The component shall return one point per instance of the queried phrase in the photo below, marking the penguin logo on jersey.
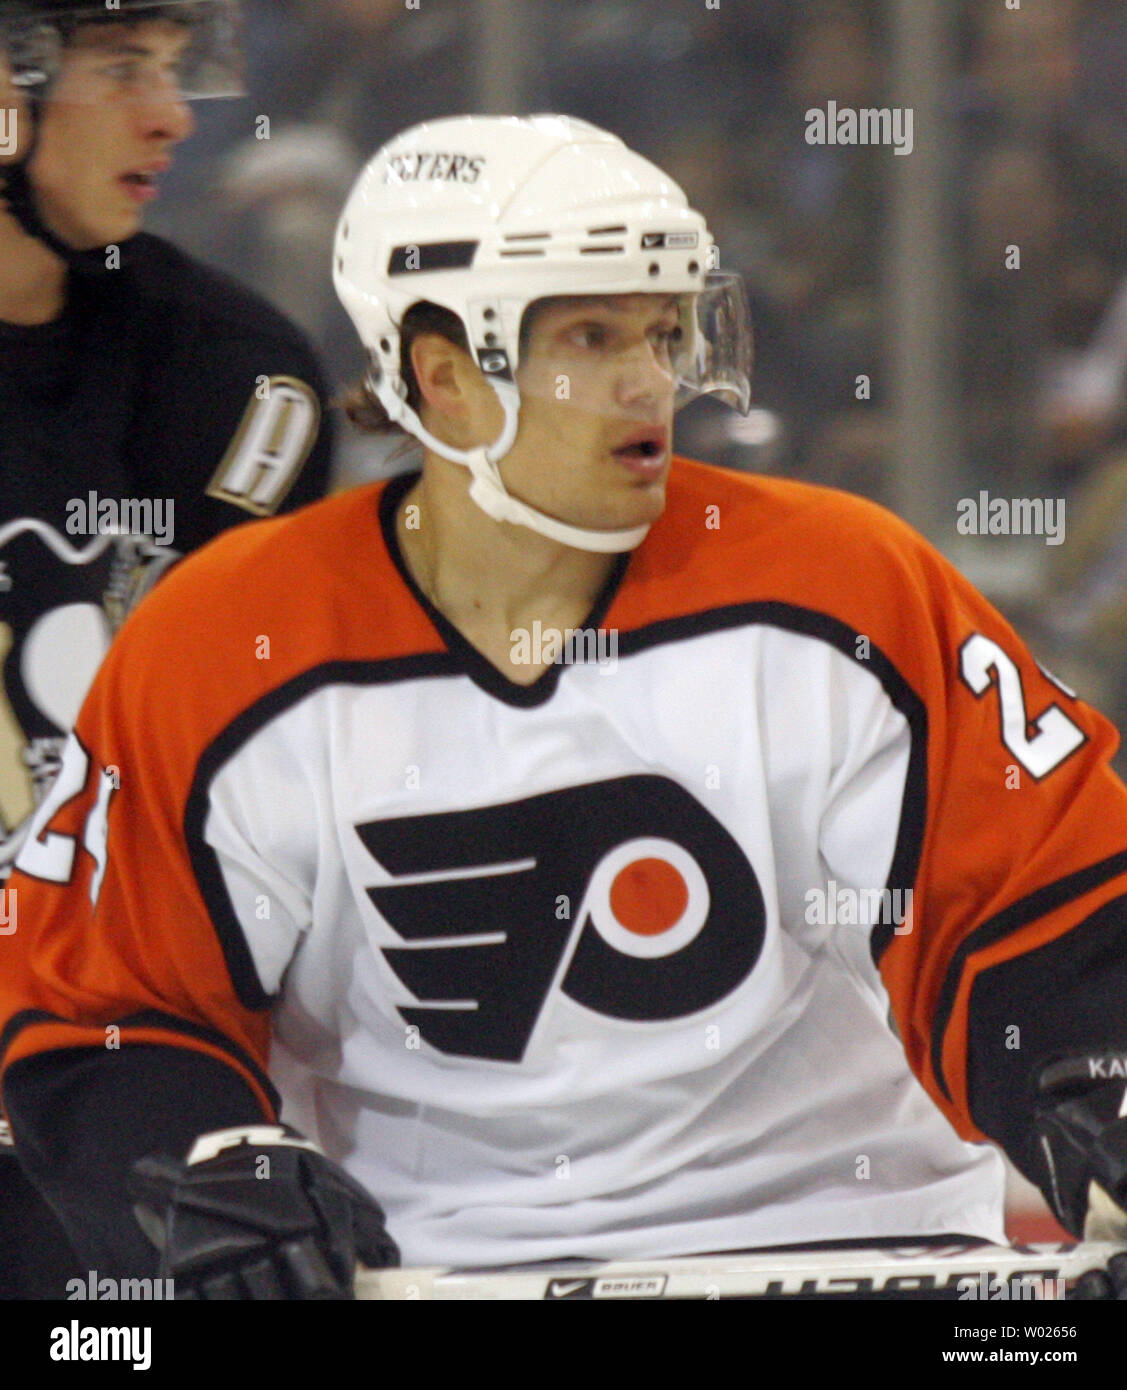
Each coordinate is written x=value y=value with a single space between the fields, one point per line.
x=52 y=647
x=627 y=895
x=49 y=651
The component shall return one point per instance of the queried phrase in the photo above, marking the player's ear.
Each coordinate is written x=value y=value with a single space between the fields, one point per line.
x=457 y=401
x=434 y=362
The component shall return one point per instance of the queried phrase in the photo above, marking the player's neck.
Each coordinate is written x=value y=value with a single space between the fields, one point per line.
x=472 y=567
x=33 y=280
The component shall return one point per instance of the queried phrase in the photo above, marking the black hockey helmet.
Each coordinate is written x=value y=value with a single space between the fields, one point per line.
x=33 y=37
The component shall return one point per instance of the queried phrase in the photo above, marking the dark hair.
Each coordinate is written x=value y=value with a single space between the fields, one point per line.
x=361 y=404
x=73 y=13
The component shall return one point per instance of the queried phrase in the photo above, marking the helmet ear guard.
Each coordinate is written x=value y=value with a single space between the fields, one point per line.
x=486 y=216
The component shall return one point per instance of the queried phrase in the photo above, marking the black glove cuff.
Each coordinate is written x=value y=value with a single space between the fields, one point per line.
x=258 y=1212
x=1080 y=1135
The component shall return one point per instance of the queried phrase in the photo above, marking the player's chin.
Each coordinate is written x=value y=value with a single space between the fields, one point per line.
x=110 y=227
x=652 y=505
x=642 y=489
x=642 y=505
x=127 y=226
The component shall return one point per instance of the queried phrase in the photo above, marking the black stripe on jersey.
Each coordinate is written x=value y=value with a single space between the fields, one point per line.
x=156 y=1018
x=1005 y=923
x=810 y=623
x=205 y=863
x=471 y=662
x=790 y=617
x=1065 y=998
x=20 y=1021
x=149 y=1018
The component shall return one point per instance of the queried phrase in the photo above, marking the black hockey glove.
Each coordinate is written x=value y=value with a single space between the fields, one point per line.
x=1082 y=1138
x=258 y=1213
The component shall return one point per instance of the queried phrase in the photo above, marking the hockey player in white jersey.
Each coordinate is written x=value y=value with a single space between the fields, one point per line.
x=630 y=858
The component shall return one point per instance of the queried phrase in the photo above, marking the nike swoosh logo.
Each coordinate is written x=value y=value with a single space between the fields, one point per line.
x=561 y=1290
x=652 y=238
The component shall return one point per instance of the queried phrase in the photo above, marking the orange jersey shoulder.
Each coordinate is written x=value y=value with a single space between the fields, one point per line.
x=226 y=630
x=1018 y=824
x=735 y=538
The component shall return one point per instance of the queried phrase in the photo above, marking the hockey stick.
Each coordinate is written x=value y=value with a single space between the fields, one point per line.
x=963 y=1272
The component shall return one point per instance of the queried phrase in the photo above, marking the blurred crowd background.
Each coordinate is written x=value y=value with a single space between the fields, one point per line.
x=1020 y=139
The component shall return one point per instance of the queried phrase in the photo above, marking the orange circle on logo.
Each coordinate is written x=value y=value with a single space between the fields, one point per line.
x=649 y=896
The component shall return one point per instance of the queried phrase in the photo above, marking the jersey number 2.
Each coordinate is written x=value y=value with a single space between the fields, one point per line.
x=982 y=663
x=50 y=856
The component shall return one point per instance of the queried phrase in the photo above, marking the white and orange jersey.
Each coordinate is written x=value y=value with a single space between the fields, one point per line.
x=626 y=962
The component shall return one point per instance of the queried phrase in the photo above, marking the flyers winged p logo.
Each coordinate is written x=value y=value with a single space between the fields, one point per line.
x=663 y=913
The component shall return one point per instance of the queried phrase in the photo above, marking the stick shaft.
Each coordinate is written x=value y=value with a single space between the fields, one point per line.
x=956 y=1271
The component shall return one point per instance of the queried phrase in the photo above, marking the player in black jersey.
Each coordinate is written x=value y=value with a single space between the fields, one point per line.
x=147 y=403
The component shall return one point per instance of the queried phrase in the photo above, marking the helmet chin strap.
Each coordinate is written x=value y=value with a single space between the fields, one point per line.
x=488 y=491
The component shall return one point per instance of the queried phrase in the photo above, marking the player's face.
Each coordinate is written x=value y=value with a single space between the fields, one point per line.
x=107 y=133
x=596 y=422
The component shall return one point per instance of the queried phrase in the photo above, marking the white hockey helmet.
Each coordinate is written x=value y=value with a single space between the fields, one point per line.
x=484 y=215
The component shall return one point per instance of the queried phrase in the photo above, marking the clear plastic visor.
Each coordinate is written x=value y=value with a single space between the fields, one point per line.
x=719 y=355
x=638 y=356
x=158 y=52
